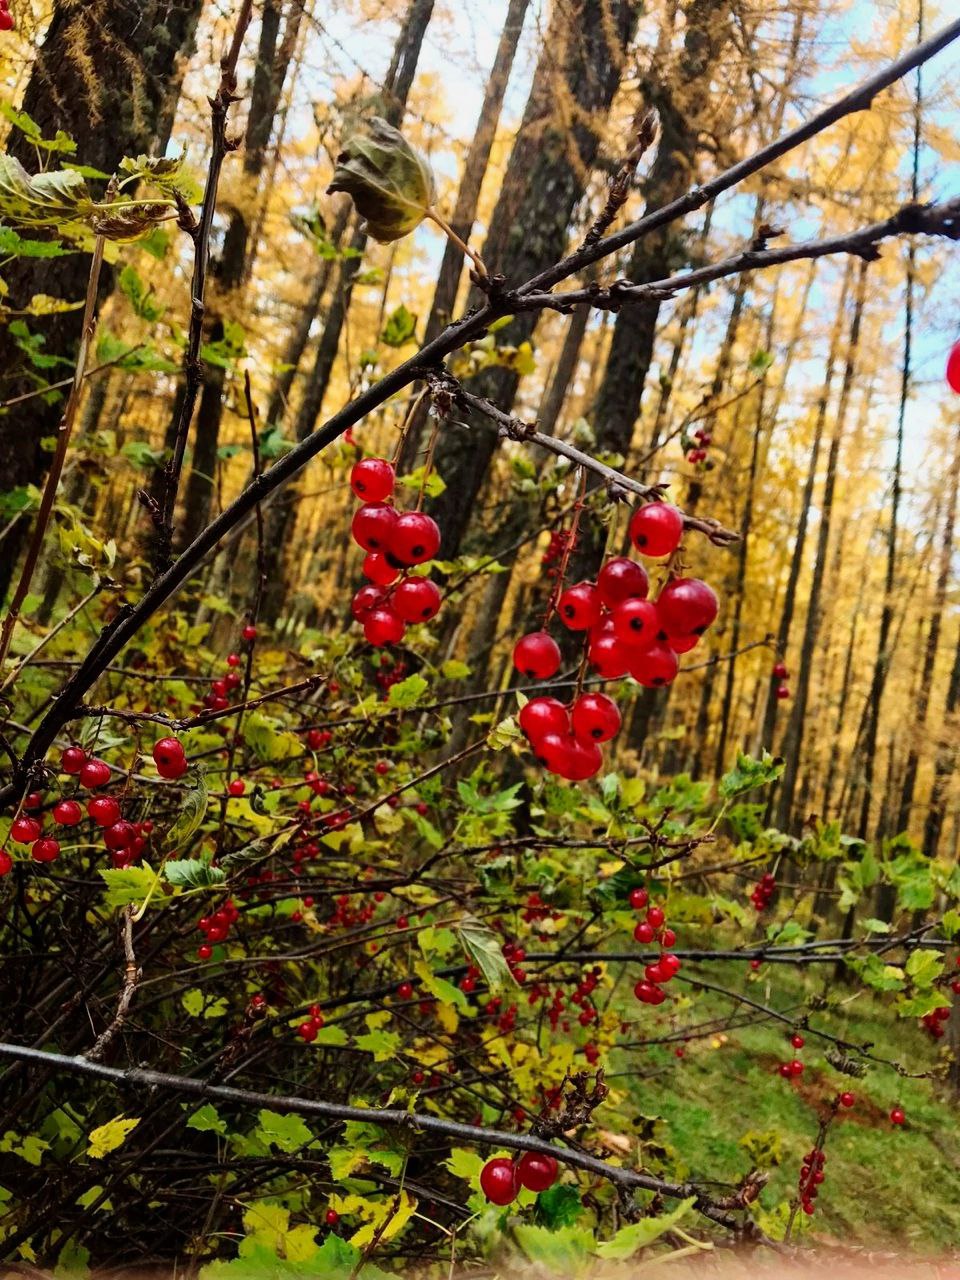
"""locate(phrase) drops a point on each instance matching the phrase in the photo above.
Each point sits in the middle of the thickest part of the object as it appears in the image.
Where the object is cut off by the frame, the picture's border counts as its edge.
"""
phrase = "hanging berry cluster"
(125, 841)
(652, 928)
(394, 542)
(811, 1176)
(763, 891)
(625, 633)
(216, 928)
(502, 1178)
(793, 1069)
(221, 687)
(935, 1021)
(697, 452)
(781, 675)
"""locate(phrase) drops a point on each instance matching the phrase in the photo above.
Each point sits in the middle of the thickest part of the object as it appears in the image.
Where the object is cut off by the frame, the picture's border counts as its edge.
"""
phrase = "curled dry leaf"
(390, 183)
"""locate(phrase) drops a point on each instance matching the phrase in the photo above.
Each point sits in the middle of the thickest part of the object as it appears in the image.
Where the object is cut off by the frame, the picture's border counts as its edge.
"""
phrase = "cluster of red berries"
(218, 699)
(6, 17)
(390, 673)
(124, 840)
(502, 1178)
(536, 911)
(308, 1029)
(793, 1069)
(811, 1176)
(394, 542)
(558, 547)
(781, 674)
(698, 453)
(934, 1021)
(763, 891)
(317, 739)
(216, 928)
(652, 928)
(625, 634)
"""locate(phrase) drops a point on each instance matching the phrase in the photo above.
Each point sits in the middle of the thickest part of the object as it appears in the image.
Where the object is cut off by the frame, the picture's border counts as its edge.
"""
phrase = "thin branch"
(131, 979)
(409, 1121)
(618, 485)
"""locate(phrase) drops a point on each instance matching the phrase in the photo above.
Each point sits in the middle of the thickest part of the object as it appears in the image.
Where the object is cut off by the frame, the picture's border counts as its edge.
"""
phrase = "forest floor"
(884, 1187)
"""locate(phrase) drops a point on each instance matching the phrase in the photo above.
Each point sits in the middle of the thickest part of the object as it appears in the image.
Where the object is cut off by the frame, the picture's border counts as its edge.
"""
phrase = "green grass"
(884, 1186)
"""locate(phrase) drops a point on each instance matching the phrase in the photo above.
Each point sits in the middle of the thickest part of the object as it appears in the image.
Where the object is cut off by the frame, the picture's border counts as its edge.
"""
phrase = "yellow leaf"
(109, 1136)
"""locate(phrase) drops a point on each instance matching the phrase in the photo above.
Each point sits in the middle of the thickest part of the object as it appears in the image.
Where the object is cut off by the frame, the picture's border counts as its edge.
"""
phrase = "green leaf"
(484, 948)
(638, 1234)
(140, 295)
(559, 1206)
(924, 967)
(400, 328)
(384, 1045)
(127, 885)
(14, 246)
(390, 183)
(287, 1132)
(207, 1120)
(407, 693)
(49, 199)
(111, 1135)
(335, 1036)
(748, 774)
(565, 1250)
(193, 809)
(466, 1164)
(193, 873)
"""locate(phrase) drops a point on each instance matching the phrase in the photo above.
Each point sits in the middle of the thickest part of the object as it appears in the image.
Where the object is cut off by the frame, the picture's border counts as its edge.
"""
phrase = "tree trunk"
(227, 272)
(945, 762)
(790, 596)
(576, 76)
(683, 101)
(931, 648)
(793, 738)
(396, 90)
(465, 210)
(111, 106)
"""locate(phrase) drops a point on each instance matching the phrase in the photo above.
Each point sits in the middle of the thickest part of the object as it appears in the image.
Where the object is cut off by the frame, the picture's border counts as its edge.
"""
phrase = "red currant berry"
(655, 667)
(780, 671)
(120, 836)
(655, 917)
(579, 606)
(636, 624)
(331, 1217)
(417, 600)
(6, 863)
(609, 658)
(33, 801)
(541, 716)
(72, 759)
(847, 1099)
(378, 569)
(639, 898)
(953, 368)
(797, 1041)
(537, 656)
(249, 632)
(622, 579)
(414, 538)
(372, 479)
(382, 626)
(595, 718)
(537, 1171)
(373, 525)
(104, 810)
(499, 1181)
(95, 773)
(644, 933)
(687, 606)
(365, 601)
(25, 830)
(204, 951)
(67, 813)
(168, 751)
(405, 991)
(45, 851)
(308, 1031)
(782, 692)
(656, 529)
(236, 787)
(897, 1116)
